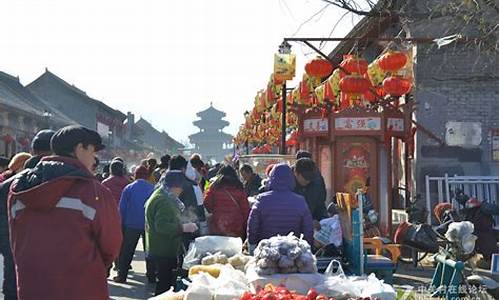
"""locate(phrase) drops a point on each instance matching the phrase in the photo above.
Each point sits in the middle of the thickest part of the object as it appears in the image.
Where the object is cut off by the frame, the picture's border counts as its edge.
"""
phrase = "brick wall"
(455, 83)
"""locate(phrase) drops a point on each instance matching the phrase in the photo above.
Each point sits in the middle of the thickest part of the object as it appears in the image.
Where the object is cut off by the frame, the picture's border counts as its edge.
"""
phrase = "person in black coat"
(311, 185)
(252, 181)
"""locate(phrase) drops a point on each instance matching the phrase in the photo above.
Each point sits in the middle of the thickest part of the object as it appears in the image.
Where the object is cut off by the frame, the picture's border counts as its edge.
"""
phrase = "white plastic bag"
(200, 287)
(228, 246)
(330, 232)
(337, 285)
(376, 288)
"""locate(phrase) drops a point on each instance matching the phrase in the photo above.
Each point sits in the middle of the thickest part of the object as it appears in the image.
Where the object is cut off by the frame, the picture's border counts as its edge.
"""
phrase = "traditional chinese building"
(211, 142)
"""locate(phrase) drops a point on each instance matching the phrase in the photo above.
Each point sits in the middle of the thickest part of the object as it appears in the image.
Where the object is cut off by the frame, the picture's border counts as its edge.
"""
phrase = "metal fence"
(484, 188)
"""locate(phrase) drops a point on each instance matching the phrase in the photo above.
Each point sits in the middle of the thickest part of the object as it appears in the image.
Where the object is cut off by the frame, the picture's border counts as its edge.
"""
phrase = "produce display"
(212, 259)
(213, 270)
(284, 254)
(270, 292)
(238, 261)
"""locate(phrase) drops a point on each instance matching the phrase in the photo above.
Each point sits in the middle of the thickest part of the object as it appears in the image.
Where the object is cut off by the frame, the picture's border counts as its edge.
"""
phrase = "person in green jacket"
(164, 228)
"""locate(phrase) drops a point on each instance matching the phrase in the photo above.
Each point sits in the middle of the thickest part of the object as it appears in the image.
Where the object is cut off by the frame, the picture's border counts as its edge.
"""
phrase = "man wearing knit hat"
(132, 202)
(40, 147)
(63, 223)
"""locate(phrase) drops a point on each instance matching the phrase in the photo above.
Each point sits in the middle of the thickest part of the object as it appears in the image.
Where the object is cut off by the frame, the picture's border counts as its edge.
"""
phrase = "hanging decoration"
(354, 65)
(355, 82)
(392, 61)
(319, 68)
(397, 86)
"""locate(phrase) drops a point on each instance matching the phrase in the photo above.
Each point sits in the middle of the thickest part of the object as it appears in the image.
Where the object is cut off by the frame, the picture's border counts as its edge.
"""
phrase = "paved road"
(136, 286)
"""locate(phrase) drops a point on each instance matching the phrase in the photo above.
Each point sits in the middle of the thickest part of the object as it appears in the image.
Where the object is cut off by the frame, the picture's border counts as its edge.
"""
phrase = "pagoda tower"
(211, 142)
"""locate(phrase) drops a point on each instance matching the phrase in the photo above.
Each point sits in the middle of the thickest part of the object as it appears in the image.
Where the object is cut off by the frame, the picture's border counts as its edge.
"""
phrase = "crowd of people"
(61, 216)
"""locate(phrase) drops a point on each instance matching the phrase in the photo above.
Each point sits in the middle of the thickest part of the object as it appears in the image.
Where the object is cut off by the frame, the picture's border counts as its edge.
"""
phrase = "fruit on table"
(270, 292)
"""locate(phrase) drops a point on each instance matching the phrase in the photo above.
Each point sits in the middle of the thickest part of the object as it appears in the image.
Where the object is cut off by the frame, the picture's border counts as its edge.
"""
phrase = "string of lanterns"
(354, 83)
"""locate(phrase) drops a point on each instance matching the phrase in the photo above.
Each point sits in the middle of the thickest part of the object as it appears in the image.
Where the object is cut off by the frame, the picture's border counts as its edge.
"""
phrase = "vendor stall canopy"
(325, 88)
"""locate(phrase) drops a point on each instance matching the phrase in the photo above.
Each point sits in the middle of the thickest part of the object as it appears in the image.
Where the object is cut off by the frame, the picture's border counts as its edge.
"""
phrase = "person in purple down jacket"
(280, 210)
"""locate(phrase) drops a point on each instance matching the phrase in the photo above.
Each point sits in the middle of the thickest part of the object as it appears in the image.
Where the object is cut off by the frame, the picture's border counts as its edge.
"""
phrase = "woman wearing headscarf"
(227, 201)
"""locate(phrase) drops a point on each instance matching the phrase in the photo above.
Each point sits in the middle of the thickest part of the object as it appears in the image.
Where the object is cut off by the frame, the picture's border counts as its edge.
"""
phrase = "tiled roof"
(14, 94)
(76, 91)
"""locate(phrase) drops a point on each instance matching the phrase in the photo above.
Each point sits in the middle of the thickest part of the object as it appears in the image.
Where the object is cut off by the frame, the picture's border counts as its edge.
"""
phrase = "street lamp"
(284, 48)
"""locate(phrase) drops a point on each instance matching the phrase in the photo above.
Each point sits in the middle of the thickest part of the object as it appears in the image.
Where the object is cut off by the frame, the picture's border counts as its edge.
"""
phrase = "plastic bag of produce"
(229, 246)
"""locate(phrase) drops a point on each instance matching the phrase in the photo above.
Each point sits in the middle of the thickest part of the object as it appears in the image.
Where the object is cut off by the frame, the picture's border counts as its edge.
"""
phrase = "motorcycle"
(457, 254)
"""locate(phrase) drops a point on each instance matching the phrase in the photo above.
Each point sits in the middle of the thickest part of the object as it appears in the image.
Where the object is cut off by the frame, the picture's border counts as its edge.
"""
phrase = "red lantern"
(319, 68)
(392, 61)
(354, 65)
(397, 86)
(354, 84)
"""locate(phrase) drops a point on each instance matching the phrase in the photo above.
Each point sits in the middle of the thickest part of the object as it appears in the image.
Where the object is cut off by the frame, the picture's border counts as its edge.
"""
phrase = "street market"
(249, 150)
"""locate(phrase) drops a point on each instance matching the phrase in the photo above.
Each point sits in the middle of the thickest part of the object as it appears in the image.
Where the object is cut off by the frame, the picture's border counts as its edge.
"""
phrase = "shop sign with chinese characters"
(358, 124)
(315, 127)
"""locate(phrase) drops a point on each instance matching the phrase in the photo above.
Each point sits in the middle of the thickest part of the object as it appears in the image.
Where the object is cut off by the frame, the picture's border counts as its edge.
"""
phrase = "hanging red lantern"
(319, 67)
(354, 65)
(397, 86)
(392, 61)
(354, 84)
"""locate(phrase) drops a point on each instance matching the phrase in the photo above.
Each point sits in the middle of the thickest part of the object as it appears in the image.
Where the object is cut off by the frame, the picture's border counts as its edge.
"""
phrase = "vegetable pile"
(284, 254)
(270, 292)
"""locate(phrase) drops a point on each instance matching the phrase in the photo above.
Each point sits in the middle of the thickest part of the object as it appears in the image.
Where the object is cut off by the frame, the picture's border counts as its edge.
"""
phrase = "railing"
(484, 188)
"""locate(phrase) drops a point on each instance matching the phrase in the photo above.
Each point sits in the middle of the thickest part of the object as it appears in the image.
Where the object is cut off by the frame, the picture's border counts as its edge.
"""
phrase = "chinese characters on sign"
(316, 126)
(362, 124)
(396, 124)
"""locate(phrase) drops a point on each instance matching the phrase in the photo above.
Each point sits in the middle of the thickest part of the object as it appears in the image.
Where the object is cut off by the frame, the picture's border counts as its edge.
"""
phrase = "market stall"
(355, 119)
(282, 268)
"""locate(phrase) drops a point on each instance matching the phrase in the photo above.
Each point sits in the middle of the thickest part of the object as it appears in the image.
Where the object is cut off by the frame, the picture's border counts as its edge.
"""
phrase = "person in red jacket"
(117, 181)
(227, 201)
(65, 227)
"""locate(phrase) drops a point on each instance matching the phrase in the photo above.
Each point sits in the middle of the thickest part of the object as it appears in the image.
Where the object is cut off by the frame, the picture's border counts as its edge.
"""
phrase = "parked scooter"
(481, 214)
(458, 258)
